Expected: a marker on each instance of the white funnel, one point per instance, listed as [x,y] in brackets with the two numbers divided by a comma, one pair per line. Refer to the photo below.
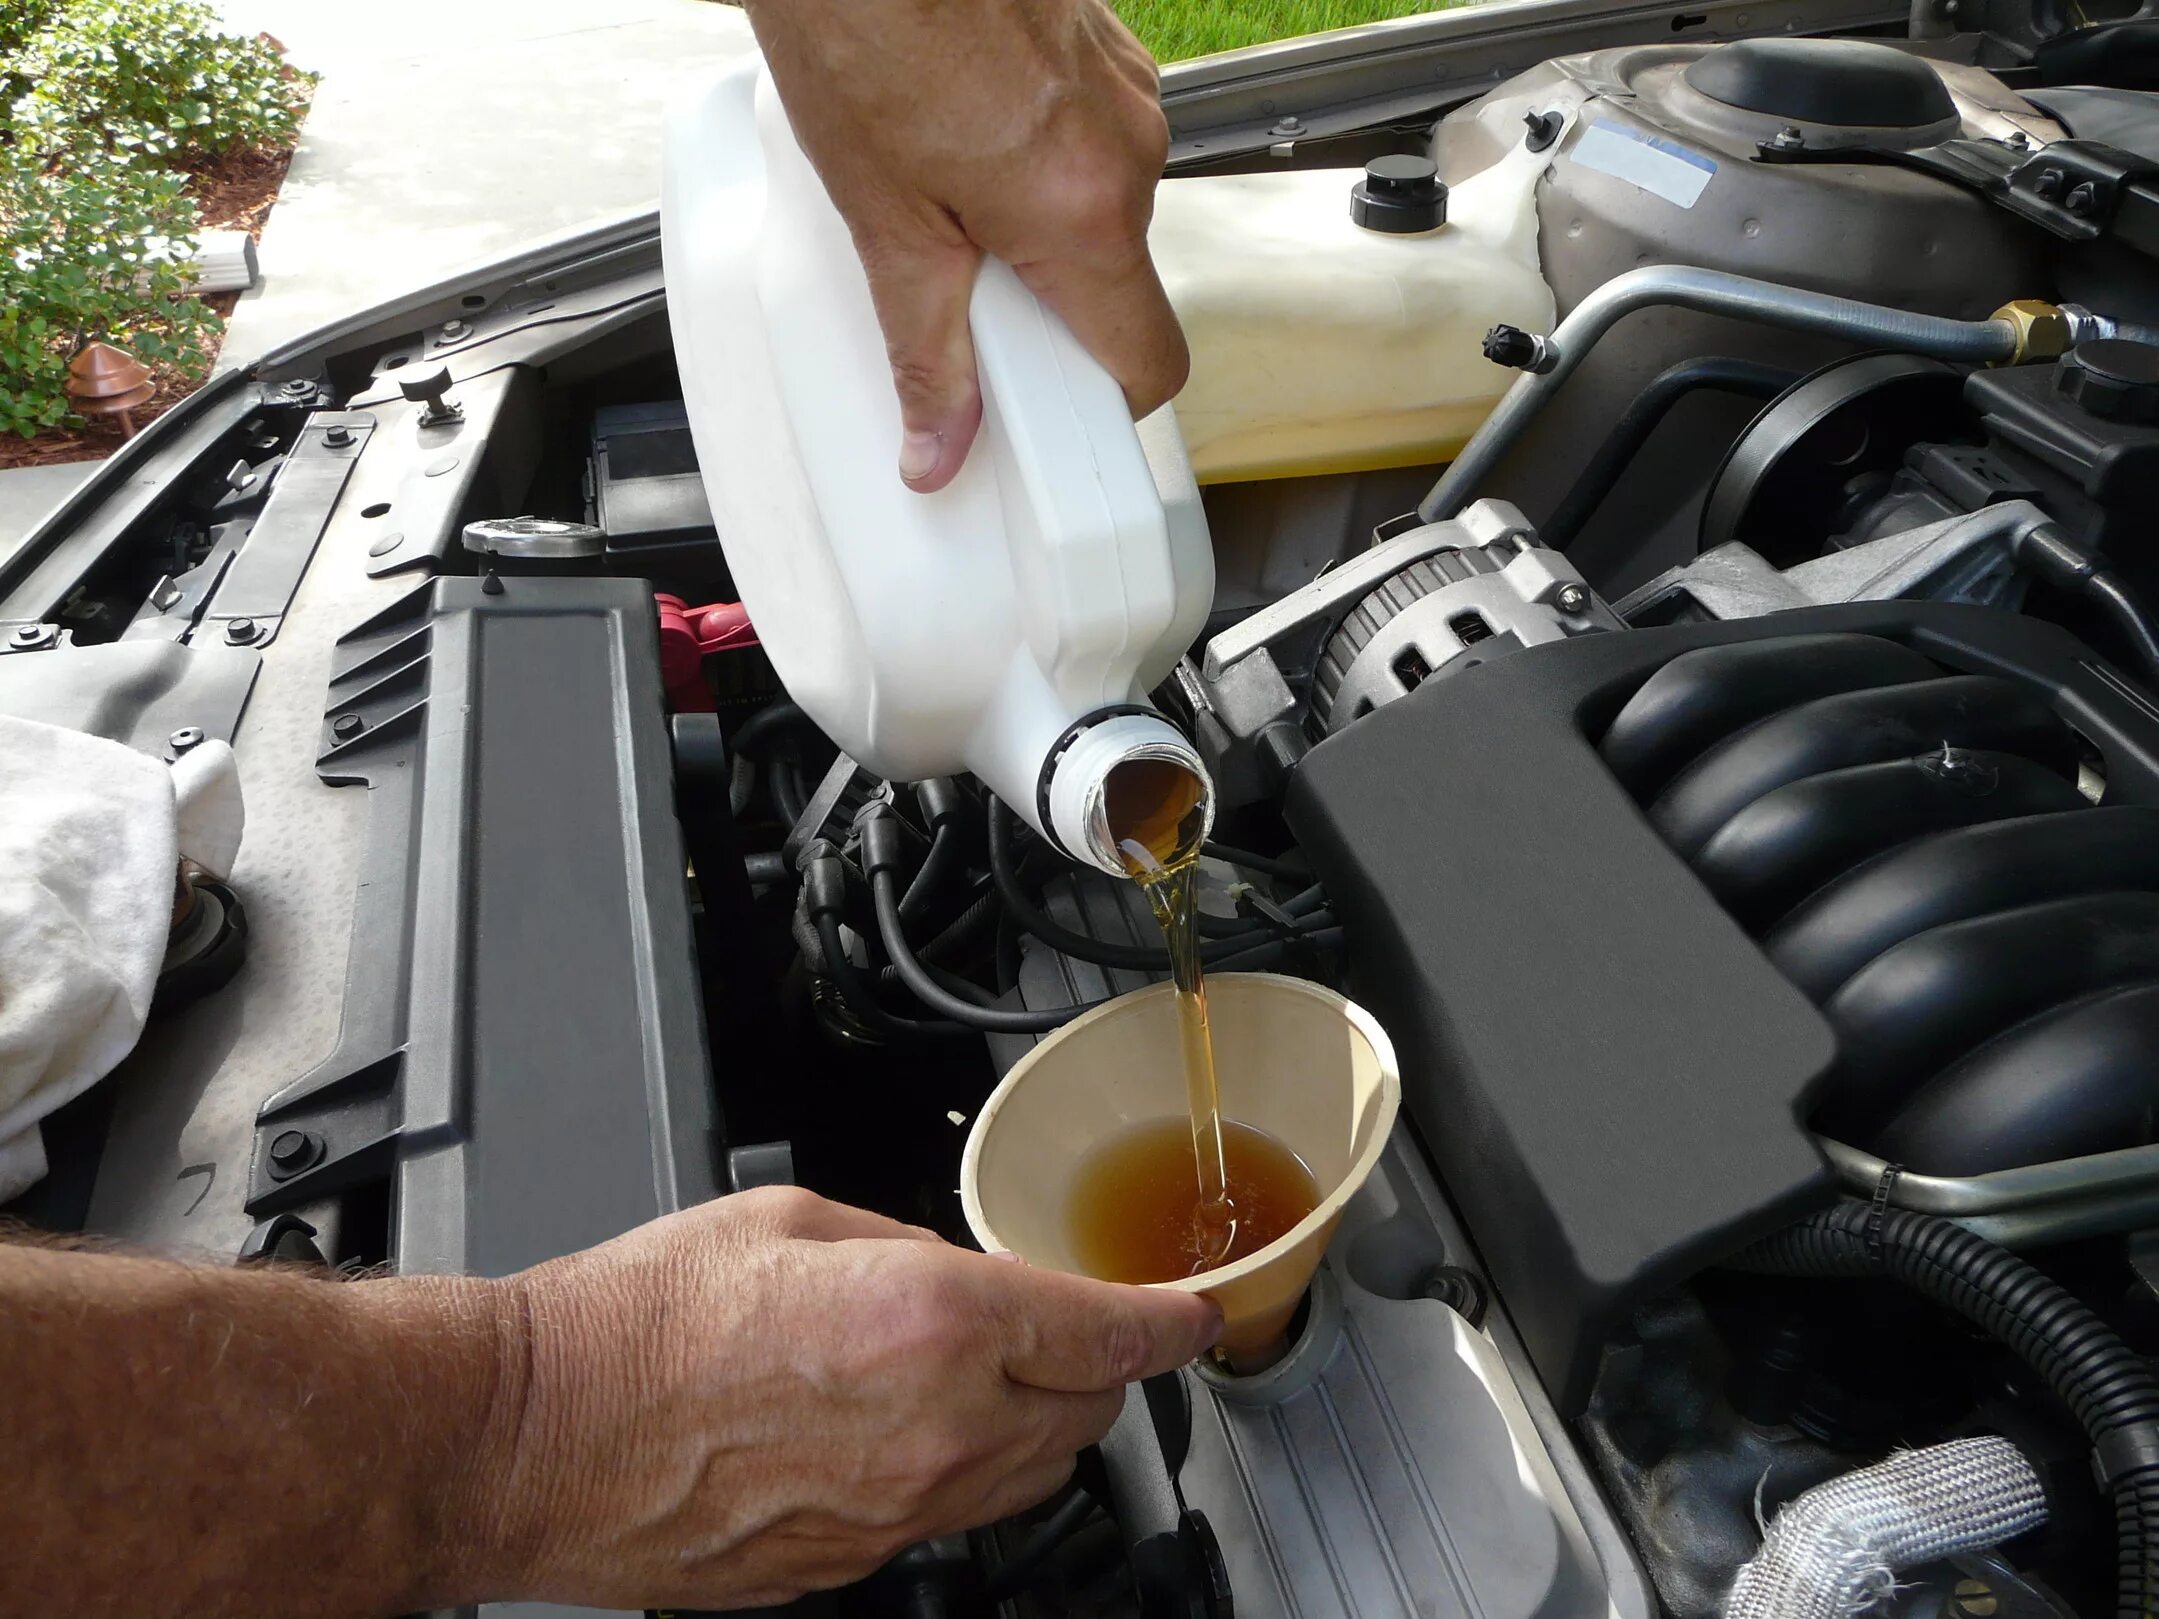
[1295,1060]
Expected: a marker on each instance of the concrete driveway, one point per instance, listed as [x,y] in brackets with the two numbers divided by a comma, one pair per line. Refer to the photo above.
[448,131]
[445,132]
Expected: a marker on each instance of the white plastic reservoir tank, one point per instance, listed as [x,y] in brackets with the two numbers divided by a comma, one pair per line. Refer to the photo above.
[1320,345]
[1010,624]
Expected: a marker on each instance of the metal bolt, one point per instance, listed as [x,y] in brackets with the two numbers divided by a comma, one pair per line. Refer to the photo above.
[2048,184]
[348,726]
[1572,599]
[1543,127]
[240,631]
[1287,124]
[293,1151]
[1789,139]
[1974,1599]
[452,330]
[188,736]
[296,386]
[337,437]
[30,637]
[2082,199]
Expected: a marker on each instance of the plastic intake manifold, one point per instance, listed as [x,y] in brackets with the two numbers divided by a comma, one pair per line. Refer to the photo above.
[1911,848]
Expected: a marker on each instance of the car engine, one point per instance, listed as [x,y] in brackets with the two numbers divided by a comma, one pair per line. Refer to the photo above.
[1732,779]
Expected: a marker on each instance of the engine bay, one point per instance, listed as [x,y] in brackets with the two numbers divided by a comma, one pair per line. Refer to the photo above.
[1728,765]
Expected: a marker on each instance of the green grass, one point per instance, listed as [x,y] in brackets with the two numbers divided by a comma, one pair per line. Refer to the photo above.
[1174,29]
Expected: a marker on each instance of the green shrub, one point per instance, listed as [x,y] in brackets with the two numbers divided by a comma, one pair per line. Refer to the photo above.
[19,19]
[96,247]
[97,99]
[155,77]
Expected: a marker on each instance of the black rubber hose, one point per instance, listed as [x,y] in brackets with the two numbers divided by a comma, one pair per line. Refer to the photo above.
[1266,865]
[1006,949]
[757,733]
[861,995]
[1026,1565]
[790,793]
[949,998]
[1099,952]
[2073,565]
[1642,417]
[767,867]
[2105,1383]
[945,857]
[2128,615]
[884,893]
[983,909]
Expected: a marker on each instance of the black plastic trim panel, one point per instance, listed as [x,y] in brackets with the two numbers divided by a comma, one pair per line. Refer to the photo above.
[522,1059]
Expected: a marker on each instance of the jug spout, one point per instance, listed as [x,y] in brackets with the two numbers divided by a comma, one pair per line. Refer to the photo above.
[1126,774]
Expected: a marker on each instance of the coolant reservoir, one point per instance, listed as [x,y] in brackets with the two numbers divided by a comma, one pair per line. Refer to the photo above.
[1010,624]
[1323,345]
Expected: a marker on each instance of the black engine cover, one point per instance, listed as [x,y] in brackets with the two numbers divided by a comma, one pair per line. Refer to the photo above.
[1609,1072]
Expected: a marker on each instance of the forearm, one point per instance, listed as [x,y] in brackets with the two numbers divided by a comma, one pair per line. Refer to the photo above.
[213,1440]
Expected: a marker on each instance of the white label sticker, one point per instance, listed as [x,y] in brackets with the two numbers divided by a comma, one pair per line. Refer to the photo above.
[1661,167]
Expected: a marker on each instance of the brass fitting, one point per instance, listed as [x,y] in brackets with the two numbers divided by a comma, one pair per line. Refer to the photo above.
[2042,330]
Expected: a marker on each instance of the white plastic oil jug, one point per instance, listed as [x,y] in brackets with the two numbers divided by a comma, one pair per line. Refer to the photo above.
[1010,624]
[1320,345]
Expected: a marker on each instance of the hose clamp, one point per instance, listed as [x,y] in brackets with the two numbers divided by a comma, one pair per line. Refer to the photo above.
[1878,1209]
[2125,1452]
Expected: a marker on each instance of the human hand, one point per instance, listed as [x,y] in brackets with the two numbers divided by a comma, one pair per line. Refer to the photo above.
[944,129]
[770,1394]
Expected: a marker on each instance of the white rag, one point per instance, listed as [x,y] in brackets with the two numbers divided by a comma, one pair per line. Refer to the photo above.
[91,836]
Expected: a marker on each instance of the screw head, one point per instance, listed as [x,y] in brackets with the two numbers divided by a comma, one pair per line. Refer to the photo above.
[1789,139]
[240,631]
[292,1151]
[347,726]
[1287,124]
[452,330]
[296,386]
[337,437]
[2049,184]
[188,736]
[1572,598]
[32,636]
[2082,199]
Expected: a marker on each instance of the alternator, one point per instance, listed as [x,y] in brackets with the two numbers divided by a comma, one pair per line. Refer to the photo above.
[1453,608]
[1435,598]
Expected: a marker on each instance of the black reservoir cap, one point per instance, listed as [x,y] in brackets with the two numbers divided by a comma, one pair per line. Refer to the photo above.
[1399,194]
[2116,380]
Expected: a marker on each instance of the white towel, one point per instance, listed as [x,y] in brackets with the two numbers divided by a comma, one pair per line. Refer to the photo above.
[91,835]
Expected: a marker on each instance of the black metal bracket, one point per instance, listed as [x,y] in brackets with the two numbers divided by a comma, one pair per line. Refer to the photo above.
[2081,190]
[2076,190]
[255,590]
